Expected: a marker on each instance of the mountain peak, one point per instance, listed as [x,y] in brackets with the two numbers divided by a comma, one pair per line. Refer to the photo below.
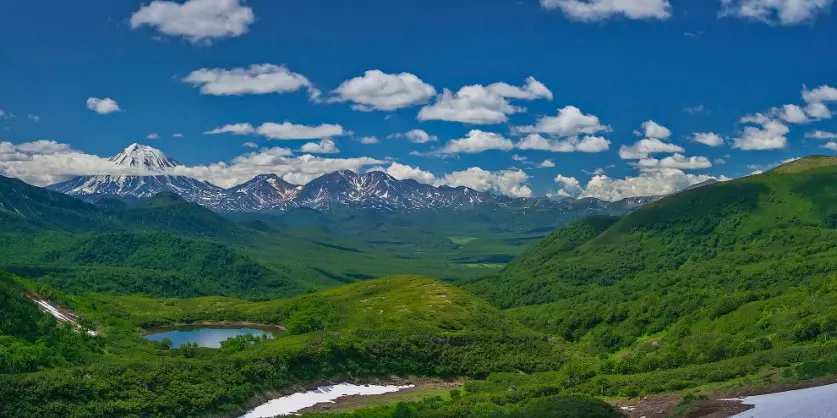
[144,156]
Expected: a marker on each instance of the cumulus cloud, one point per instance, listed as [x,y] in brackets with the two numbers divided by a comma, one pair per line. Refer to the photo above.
[570,186]
[782,12]
[678,161]
[153,136]
[587,143]
[771,135]
[831,145]
[406,172]
[255,79]
[369,140]
[250,145]
[416,136]
[647,146]
[483,105]
[287,130]
[821,94]
[821,135]
[196,20]
[818,111]
[103,106]
[284,130]
[507,182]
[708,138]
[597,10]
[651,129]
[546,164]
[325,146]
[376,90]
[235,128]
[570,121]
[475,141]
[647,183]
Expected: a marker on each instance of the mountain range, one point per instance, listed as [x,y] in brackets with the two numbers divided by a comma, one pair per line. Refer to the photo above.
[374,190]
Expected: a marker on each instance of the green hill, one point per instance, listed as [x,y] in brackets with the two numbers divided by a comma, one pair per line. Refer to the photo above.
[397,326]
[712,273]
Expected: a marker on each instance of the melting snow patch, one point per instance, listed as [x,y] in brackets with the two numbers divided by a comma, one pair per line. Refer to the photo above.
[54,312]
[292,404]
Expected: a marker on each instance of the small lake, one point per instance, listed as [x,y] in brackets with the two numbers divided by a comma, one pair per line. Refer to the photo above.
[816,402]
[290,405]
[204,337]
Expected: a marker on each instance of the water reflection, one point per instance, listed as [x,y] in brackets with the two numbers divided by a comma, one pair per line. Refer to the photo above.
[203,337]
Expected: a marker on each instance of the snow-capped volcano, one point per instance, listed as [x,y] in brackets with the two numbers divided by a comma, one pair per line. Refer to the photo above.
[151,166]
[145,158]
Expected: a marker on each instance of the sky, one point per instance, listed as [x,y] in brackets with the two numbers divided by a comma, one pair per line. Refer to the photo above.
[581,98]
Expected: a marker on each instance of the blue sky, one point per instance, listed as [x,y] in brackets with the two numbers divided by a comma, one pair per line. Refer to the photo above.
[720,67]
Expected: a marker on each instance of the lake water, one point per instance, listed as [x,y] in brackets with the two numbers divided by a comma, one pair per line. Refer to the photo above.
[817,402]
[292,404]
[204,337]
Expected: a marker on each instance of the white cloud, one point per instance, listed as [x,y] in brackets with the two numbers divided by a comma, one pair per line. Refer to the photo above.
[770,136]
[783,12]
[821,135]
[649,183]
[153,136]
[406,172]
[588,143]
[570,186]
[196,20]
[250,145]
[695,110]
[284,130]
[570,121]
[651,129]
[790,113]
[103,106]
[507,182]
[325,146]
[708,138]
[546,164]
[369,140]
[376,90]
[416,136]
[678,161]
[719,161]
[256,79]
[177,135]
[597,10]
[236,128]
[475,141]
[34,118]
[644,147]
[483,105]
[519,158]
[287,130]
[831,145]
[818,111]
[821,94]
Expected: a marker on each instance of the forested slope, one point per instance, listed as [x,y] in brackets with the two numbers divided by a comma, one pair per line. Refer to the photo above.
[712,273]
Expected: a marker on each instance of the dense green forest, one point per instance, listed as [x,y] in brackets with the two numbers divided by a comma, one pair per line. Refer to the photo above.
[728,285]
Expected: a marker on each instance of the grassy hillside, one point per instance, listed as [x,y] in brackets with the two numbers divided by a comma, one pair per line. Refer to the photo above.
[713,273]
[380,328]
